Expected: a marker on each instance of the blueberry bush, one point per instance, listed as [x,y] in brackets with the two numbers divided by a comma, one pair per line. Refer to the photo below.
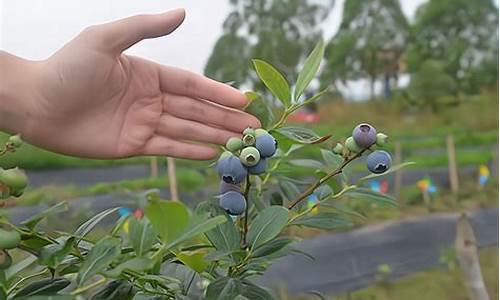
[216,250]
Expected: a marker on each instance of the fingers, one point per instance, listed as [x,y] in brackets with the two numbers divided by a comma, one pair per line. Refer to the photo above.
[180,129]
[122,34]
[160,145]
[206,112]
[182,82]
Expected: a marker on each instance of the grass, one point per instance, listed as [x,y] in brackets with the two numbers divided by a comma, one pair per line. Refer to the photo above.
[440,283]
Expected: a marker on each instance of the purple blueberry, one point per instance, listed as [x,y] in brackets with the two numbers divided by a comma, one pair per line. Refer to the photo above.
[231,170]
[258,168]
[233,203]
[266,144]
[364,135]
[225,187]
[378,161]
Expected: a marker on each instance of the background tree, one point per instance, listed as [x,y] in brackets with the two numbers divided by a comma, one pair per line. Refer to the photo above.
[431,86]
[463,35]
[371,38]
[281,31]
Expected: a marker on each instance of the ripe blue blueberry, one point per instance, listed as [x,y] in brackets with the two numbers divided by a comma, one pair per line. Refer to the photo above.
[231,170]
[378,161]
[266,144]
[225,187]
[364,135]
[233,203]
[258,168]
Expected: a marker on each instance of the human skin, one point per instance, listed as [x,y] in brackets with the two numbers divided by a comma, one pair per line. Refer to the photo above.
[91,100]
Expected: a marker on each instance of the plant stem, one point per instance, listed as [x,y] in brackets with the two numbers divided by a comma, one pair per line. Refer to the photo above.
[322,180]
[245,222]
[88,287]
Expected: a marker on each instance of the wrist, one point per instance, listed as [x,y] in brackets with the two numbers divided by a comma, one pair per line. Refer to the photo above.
[18,93]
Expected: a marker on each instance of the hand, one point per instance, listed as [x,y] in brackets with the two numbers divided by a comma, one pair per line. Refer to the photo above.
[94,101]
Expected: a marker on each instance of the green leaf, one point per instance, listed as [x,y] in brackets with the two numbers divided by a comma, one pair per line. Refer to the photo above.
[20,266]
[273,80]
[42,287]
[261,109]
[223,288]
[323,220]
[391,170]
[288,189]
[225,236]
[254,292]
[308,163]
[34,220]
[116,289]
[194,260]
[52,255]
[137,264]
[99,258]
[302,135]
[310,69]
[169,218]
[86,227]
[273,246]
[198,226]
[251,96]
[267,225]
[142,236]
[365,193]
[323,191]
[331,159]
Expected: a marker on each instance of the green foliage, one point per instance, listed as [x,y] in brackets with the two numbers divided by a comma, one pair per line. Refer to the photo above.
[430,86]
[462,35]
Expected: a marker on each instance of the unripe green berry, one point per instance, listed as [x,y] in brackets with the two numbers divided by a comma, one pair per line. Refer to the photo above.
[249,131]
[338,149]
[5,259]
[14,178]
[260,131]
[382,139]
[234,144]
[351,145]
[9,239]
[224,154]
[250,156]
[16,140]
[248,140]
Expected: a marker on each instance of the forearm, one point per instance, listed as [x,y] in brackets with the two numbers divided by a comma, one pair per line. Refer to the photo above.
[18,93]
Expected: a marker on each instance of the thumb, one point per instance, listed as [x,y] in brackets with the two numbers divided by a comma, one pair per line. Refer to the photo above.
[122,34]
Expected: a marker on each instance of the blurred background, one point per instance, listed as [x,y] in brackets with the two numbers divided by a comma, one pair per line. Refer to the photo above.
[424,71]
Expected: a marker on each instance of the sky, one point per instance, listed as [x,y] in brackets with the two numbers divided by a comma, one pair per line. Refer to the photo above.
[34,29]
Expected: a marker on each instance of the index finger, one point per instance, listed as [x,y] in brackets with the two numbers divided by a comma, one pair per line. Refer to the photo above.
[186,83]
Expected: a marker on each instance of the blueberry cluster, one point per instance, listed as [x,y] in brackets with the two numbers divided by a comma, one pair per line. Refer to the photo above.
[244,156]
[364,136]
